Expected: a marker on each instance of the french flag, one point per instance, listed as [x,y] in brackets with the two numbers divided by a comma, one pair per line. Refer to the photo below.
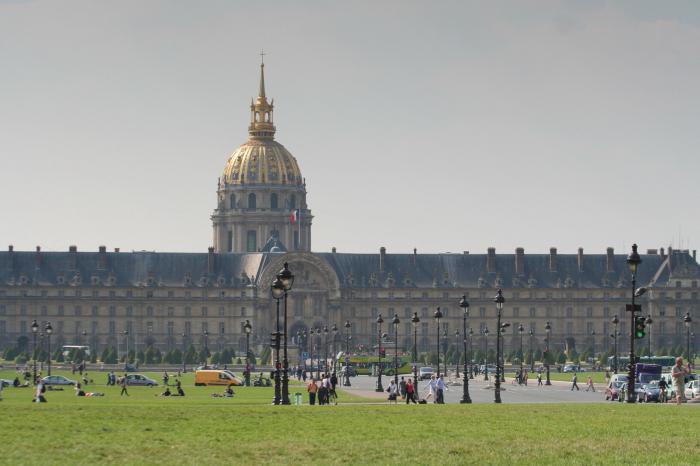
[295,216]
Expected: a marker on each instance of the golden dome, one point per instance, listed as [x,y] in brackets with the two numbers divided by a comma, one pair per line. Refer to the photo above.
[262,161]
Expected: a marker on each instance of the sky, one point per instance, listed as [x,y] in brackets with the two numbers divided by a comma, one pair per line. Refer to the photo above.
[445,126]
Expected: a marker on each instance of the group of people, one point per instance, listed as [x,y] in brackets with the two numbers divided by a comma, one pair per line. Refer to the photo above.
[324,391]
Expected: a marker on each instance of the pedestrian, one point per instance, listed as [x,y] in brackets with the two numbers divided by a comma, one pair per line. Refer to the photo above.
[440,390]
[574,379]
[432,389]
[393,390]
[678,374]
[589,384]
[312,388]
[525,377]
[334,382]
[539,379]
[402,388]
[123,384]
[166,378]
[40,390]
[410,392]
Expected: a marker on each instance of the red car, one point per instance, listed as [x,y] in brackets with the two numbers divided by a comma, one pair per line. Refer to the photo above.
[612,391]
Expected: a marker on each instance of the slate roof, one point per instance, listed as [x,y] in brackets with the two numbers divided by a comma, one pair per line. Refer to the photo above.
[353,270]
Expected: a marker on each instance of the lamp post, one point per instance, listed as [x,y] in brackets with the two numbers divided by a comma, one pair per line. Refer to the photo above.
[334,329]
[532,356]
[126,359]
[35,329]
[463,355]
[548,330]
[248,328]
[486,353]
[277,291]
[379,387]
[49,330]
[311,350]
[471,357]
[396,323]
[648,321]
[318,354]
[438,315]
[503,351]
[521,330]
[445,343]
[593,343]
[184,349]
[615,321]
[346,382]
[206,349]
[499,300]
[633,261]
[325,349]
[687,321]
[287,278]
[464,304]
[415,320]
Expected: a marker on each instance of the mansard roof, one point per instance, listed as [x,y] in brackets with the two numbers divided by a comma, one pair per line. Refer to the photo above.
[353,270]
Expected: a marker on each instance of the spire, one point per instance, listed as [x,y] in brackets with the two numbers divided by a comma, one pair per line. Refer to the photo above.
[261,92]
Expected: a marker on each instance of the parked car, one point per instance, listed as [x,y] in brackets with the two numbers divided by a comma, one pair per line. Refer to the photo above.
[138,379]
[57,380]
[692,389]
[425,373]
[209,367]
[573,368]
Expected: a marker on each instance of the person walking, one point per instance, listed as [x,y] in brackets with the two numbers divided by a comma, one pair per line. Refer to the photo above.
[123,384]
[410,392]
[539,379]
[678,374]
[312,388]
[589,384]
[402,388]
[574,379]
[440,384]
[432,389]
[393,391]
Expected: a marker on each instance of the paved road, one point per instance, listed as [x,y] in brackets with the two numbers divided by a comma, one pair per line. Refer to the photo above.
[482,391]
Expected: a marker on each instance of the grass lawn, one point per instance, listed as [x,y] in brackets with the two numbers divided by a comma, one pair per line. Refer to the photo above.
[598,377]
[199,429]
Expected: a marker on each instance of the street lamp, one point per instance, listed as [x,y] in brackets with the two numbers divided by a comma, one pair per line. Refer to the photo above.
[415,320]
[548,330]
[471,357]
[287,278]
[445,343]
[438,315]
[277,291]
[504,325]
[687,321]
[521,330]
[486,352]
[35,329]
[318,353]
[532,356]
[648,321]
[633,261]
[248,328]
[464,304]
[499,300]
[49,330]
[348,325]
[593,343]
[311,350]
[206,349]
[615,321]
[379,388]
[126,359]
[325,349]
[184,349]
[334,329]
[396,322]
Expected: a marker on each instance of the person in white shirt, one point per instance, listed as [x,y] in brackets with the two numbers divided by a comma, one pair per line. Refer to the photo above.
[393,391]
[440,385]
[432,389]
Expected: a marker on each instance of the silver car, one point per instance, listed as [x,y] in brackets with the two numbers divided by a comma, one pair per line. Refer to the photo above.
[138,379]
[57,380]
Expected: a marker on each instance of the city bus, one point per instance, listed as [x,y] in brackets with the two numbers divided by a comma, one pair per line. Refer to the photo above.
[68,350]
[623,361]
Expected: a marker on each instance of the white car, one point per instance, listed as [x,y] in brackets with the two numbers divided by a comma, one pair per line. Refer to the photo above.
[425,373]
[692,389]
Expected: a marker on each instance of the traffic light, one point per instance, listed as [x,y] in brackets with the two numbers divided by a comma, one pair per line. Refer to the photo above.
[639,328]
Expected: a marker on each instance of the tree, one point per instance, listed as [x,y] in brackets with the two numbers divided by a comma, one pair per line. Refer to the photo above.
[58,355]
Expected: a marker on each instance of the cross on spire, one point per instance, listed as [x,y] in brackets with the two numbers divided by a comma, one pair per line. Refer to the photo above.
[262,57]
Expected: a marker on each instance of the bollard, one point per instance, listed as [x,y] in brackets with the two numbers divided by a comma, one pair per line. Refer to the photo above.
[297,399]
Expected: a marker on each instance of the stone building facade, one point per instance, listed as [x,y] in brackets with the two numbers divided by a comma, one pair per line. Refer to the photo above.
[262,220]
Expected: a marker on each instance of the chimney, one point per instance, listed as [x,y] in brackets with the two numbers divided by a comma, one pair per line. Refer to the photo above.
[102,258]
[116,249]
[37,257]
[610,260]
[210,261]
[552,259]
[72,257]
[382,258]
[694,255]
[333,249]
[415,256]
[491,260]
[11,263]
[519,261]
[663,254]
[670,256]
[579,256]
[652,252]
[10,248]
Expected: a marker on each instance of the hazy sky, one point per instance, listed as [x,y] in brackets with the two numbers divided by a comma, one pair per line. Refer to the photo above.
[445,126]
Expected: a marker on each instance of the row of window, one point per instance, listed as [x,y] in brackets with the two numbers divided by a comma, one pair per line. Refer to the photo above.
[59,328]
[253,201]
[113,311]
[483,295]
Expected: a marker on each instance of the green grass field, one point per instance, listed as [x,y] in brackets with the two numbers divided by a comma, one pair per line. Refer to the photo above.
[199,429]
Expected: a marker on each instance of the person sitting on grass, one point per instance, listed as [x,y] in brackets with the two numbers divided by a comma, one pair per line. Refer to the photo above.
[166,392]
[228,393]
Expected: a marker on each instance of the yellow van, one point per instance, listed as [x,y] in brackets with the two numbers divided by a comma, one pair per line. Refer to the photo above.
[212,377]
